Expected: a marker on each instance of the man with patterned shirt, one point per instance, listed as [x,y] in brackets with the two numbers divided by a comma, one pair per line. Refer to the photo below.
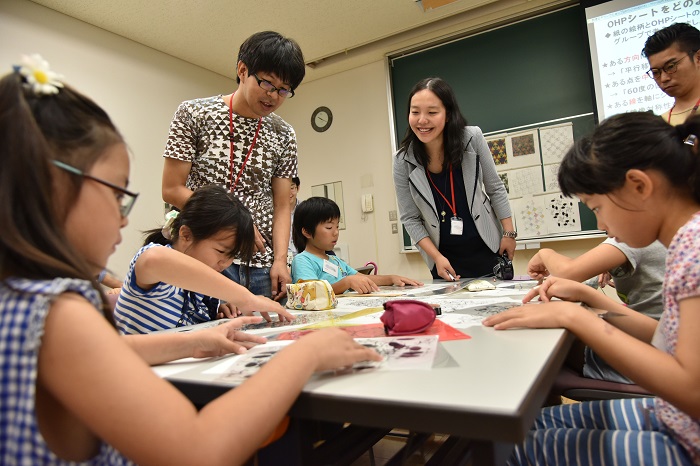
[236,141]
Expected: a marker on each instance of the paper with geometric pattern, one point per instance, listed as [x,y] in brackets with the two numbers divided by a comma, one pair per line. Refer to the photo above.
[551,181]
[504,178]
[523,149]
[555,141]
[497,146]
[562,213]
[529,213]
[524,181]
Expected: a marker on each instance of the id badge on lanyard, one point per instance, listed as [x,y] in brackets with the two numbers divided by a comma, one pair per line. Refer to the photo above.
[456,226]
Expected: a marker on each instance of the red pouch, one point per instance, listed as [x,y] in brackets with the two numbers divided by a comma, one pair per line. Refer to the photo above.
[406,317]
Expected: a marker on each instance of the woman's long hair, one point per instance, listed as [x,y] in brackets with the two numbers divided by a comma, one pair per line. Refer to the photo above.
[453,134]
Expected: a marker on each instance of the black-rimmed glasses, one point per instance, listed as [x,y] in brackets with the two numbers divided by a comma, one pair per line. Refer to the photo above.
[269,87]
[668,68]
[126,198]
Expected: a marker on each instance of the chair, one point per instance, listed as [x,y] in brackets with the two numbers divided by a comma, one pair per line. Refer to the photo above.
[368,268]
[576,387]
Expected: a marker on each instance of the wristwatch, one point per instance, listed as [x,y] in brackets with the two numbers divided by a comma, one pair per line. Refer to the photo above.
[510,234]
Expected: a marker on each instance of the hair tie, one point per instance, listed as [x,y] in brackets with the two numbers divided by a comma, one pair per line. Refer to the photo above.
[37,75]
[168,227]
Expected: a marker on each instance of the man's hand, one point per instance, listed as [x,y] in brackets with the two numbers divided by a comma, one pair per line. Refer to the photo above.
[279,277]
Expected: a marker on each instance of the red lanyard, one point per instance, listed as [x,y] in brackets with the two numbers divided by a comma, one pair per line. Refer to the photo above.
[453,204]
[252,145]
[692,112]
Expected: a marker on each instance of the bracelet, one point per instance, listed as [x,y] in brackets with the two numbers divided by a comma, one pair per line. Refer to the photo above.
[510,234]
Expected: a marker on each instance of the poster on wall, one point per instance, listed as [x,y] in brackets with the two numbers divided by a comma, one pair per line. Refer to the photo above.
[545,214]
[523,149]
[497,146]
[562,213]
[524,181]
[555,141]
[551,180]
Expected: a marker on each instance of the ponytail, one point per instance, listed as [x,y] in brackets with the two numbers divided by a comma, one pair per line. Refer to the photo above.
[209,210]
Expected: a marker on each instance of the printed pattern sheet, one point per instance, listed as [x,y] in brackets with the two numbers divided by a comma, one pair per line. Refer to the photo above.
[525,149]
[524,181]
[551,183]
[555,141]
[497,146]
[399,353]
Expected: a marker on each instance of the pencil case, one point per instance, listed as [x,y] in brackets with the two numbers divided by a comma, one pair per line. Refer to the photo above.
[311,295]
[407,317]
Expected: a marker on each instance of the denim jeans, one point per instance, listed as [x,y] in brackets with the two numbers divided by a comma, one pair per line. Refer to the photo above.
[257,280]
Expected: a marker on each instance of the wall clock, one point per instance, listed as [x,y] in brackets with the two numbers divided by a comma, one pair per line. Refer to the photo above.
[321,119]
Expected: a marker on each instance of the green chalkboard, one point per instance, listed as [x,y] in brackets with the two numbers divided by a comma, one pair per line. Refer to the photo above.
[519,75]
[531,71]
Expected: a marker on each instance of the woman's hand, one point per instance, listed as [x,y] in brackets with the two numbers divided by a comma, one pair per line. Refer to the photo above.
[539,315]
[555,287]
[444,268]
[333,348]
[507,245]
[225,338]
[264,306]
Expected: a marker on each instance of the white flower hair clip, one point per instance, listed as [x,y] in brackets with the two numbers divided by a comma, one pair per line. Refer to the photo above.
[38,76]
[168,227]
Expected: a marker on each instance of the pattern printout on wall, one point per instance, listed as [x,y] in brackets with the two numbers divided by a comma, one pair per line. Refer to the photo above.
[555,141]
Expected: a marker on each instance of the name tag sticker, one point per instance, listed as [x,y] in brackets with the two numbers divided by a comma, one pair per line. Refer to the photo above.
[330,268]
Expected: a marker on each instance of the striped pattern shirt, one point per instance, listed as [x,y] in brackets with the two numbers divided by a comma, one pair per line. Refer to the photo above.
[161,307]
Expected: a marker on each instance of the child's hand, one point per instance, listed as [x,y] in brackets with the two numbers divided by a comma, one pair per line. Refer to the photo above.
[361,283]
[333,348]
[605,279]
[556,287]
[264,306]
[225,338]
[544,315]
[398,280]
[536,268]
[228,311]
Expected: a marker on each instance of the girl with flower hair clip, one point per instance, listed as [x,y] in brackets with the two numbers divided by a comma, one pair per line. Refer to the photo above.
[72,390]
[641,178]
[172,278]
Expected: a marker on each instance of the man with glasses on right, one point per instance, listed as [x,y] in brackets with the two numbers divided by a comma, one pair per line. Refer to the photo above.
[674,61]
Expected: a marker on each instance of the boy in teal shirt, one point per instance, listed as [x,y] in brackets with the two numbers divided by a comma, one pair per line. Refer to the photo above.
[315,233]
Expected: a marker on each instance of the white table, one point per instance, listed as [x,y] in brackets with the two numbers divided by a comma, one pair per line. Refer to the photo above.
[487,389]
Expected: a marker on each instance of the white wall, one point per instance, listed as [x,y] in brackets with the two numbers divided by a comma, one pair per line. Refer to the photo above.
[139,87]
